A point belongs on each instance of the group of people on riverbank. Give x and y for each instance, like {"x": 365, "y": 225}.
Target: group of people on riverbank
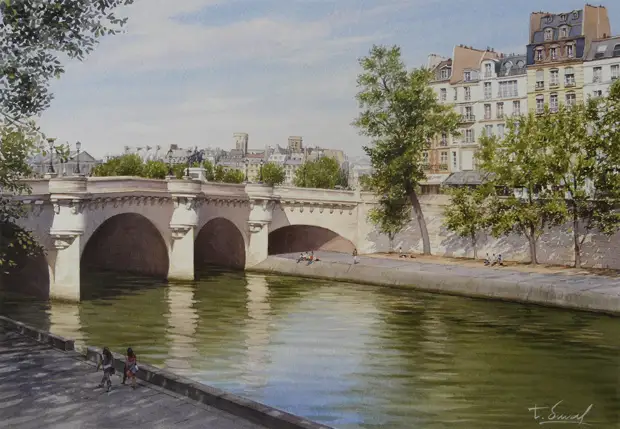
{"x": 307, "y": 256}
{"x": 107, "y": 362}
{"x": 496, "y": 260}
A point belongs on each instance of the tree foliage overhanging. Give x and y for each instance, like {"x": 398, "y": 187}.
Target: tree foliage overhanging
{"x": 323, "y": 173}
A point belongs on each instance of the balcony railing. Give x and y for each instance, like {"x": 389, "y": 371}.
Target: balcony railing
{"x": 569, "y": 83}
{"x": 435, "y": 168}
{"x": 554, "y": 84}
{"x": 508, "y": 94}
{"x": 468, "y": 118}
{"x": 540, "y": 85}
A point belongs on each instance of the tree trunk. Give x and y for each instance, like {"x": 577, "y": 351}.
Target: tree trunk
{"x": 531, "y": 238}
{"x": 576, "y": 240}
{"x": 417, "y": 210}
{"x": 391, "y": 239}
{"x": 474, "y": 244}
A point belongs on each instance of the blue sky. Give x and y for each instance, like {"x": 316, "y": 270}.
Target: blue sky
{"x": 195, "y": 73}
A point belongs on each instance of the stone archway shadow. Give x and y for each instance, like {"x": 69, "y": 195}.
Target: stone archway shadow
{"x": 304, "y": 238}
{"x": 30, "y": 275}
{"x": 127, "y": 243}
{"x": 219, "y": 243}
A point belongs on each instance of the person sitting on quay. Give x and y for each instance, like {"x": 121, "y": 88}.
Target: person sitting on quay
{"x": 487, "y": 261}
{"x": 498, "y": 260}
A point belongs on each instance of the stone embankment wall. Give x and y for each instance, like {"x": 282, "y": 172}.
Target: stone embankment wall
{"x": 555, "y": 246}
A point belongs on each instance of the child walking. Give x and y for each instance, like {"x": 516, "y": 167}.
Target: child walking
{"x": 107, "y": 361}
{"x": 131, "y": 367}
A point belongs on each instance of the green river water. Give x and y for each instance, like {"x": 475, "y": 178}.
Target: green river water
{"x": 354, "y": 356}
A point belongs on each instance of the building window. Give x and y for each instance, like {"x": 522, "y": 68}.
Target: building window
{"x": 467, "y": 94}
{"x": 564, "y": 32}
{"x": 554, "y": 78}
{"x": 469, "y": 136}
{"x": 488, "y": 130}
{"x": 569, "y": 76}
{"x": 539, "y": 54}
{"x": 615, "y": 71}
{"x": 516, "y": 108}
{"x": 508, "y": 89}
{"x": 467, "y": 76}
{"x": 554, "y": 53}
{"x": 540, "y": 104}
{"x": 445, "y": 73}
{"x": 424, "y": 157}
{"x": 540, "y": 79}
{"x": 487, "y": 91}
{"x": 444, "y": 139}
{"x": 488, "y": 71}
{"x": 443, "y": 94}
{"x": 487, "y": 111}
{"x": 456, "y": 94}
{"x": 444, "y": 157}
{"x": 571, "y": 99}
{"x": 500, "y": 110}
{"x": 553, "y": 102}
{"x": 500, "y": 130}
{"x": 570, "y": 50}
{"x": 597, "y": 93}
{"x": 617, "y": 50}
{"x": 548, "y": 33}
{"x": 468, "y": 113}
{"x": 598, "y": 74}
{"x": 454, "y": 161}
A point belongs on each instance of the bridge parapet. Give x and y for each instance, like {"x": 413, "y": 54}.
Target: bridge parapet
{"x": 102, "y": 185}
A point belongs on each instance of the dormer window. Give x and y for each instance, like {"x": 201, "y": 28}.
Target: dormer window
{"x": 576, "y": 14}
{"x": 539, "y": 54}
{"x": 553, "y": 53}
{"x": 467, "y": 76}
{"x": 487, "y": 70}
{"x": 617, "y": 50}
{"x": 445, "y": 73}
{"x": 563, "y": 17}
{"x": 548, "y": 33}
{"x": 549, "y": 19}
{"x": 564, "y": 32}
{"x": 570, "y": 51}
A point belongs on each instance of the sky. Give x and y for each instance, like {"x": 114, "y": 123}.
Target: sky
{"x": 193, "y": 72}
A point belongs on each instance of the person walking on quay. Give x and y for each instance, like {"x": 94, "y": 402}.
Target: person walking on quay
{"x": 107, "y": 361}
{"x": 355, "y": 260}
{"x": 131, "y": 367}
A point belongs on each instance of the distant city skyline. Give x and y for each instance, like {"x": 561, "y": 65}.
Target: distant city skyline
{"x": 196, "y": 74}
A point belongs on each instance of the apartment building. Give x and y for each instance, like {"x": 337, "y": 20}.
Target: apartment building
{"x": 601, "y": 67}
{"x": 557, "y": 47}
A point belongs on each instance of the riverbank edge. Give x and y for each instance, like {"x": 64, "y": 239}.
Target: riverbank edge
{"x": 247, "y": 409}
{"x": 502, "y": 289}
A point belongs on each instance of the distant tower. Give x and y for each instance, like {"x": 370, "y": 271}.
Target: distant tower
{"x": 241, "y": 142}
{"x": 295, "y": 144}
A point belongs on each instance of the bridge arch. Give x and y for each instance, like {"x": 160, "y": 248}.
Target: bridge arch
{"x": 127, "y": 242}
{"x": 219, "y": 242}
{"x": 303, "y": 238}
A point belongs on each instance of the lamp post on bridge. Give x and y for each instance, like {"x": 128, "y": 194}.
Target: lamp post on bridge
{"x": 169, "y": 155}
{"x": 78, "y": 145}
{"x": 262, "y": 162}
{"x": 50, "y": 169}
{"x": 246, "y": 162}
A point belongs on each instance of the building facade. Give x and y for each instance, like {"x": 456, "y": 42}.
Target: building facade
{"x": 601, "y": 67}
{"x": 556, "y": 51}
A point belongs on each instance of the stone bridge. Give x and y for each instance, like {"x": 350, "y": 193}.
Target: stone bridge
{"x": 168, "y": 229}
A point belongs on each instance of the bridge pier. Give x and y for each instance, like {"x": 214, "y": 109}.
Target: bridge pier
{"x": 183, "y": 227}
{"x": 261, "y": 209}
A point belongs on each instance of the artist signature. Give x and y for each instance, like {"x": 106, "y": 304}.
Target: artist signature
{"x": 554, "y": 416}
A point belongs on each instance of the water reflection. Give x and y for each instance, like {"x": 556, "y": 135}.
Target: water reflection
{"x": 353, "y": 356}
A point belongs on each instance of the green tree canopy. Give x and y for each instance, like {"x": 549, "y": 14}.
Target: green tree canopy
{"x": 323, "y": 173}
{"x": 234, "y": 176}
{"x": 155, "y": 170}
{"x": 209, "y": 170}
{"x": 273, "y": 174}
{"x": 467, "y": 213}
{"x": 390, "y": 218}
{"x": 125, "y": 165}
{"x": 400, "y": 113}
{"x": 518, "y": 163}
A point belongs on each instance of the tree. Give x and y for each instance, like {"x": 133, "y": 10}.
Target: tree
{"x": 125, "y": 165}
{"x": 518, "y": 163}
{"x": 209, "y": 170}
{"x": 323, "y": 173}
{"x": 155, "y": 170}
{"x": 219, "y": 174}
{"x": 35, "y": 35}
{"x": 273, "y": 174}
{"x": 466, "y": 215}
{"x": 343, "y": 178}
{"x": 390, "y": 217}
{"x": 365, "y": 182}
{"x": 401, "y": 114}
{"x": 584, "y": 166}
{"x": 233, "y": 176}
{"x": 15, "y": 150}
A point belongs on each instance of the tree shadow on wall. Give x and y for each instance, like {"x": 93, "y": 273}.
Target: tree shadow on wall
{"x": 31, "y": 274}
{"x": 305, "y": 238}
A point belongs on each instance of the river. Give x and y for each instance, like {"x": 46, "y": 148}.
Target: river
{"x": 354, "y": 356}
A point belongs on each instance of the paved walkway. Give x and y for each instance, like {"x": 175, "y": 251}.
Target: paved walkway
{"x": 41, "y": 387}
{"x": 582, "y": 291}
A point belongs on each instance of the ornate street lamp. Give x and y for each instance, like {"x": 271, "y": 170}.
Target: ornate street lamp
{"x": 262, "y": 162}
{"x": 246, "y": 162}
{"x": 78, "y": 145}
{"x": 189, "y": 160}
{"x": 170, "y": 171}
{"x": 50, "y": 142}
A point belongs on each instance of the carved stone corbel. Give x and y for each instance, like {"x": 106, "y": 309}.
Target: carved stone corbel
{"x": 63, "y": 241}
{"x": 256, "y": 226}
{"x": 179, "y": 231}
{"x": 56, "y": 205}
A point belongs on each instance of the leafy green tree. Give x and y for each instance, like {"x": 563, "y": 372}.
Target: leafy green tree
{"x": 155, "y": 170}
{"x": 219, "y": 173}
{"x": 179, "y": 171}
{"x": 365, "y": 182}
{"x": 15, "y": 150}
{"x": 584, "y": 163}
{"x": 234, "y": 176}
{"x": 209, "y": 170}
{"x": 35, "y": 35}
{"x": 125, "y": 165}
{"x": 343, "y": 178}
{"x": 467, "y": 213}
{"x": 273, "y": 174}
{"x": 322, "y": 173}
{"x": 390, "y": 218}
{"x": 401, "y": 114}
{"x": 518, "y": 163}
